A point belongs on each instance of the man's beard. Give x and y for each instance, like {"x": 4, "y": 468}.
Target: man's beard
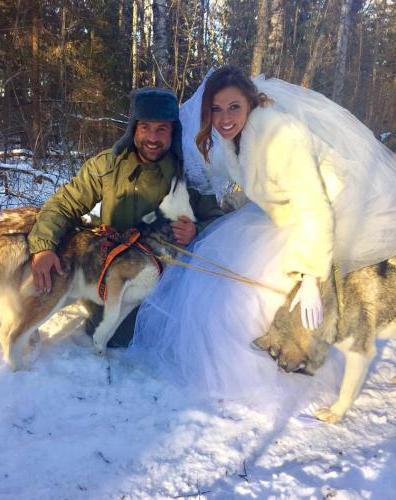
{"x": 157, "y": 154}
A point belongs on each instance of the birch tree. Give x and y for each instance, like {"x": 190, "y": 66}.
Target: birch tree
{"x": 160, "y": 43}
{"x": 133, "y": 58}
{"x": 341, "y": 52}
{"x": 261, "y": 38}
{"x": 276, "y": 37}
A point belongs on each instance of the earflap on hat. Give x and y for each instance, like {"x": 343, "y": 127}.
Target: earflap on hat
{"x": 126, "y": 140}
{"x": 177, "y": 148}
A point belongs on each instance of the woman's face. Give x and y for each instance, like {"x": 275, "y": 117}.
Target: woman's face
{"x": 230, "y": 110}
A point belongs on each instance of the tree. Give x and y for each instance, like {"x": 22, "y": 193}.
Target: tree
{"x": 342, "y": 47}
{"x": 319, "y": 42}
{"x": 261, "y": 38}
{"x": 160, "y": 43}
{"x": 36, "y": 136}
{"x": 276, "y": 37}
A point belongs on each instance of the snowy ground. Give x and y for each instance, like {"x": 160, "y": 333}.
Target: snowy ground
{"x": 23, "y": 185}
{"x": 81, "y": 427}
{"x": 77, "y": 426}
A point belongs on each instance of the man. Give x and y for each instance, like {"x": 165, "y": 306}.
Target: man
{"x": 130, "y": 181}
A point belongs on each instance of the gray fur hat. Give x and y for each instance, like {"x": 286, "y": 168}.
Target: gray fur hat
{"x": 150, "y": 103}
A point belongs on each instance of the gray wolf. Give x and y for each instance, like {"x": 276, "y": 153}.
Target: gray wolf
{"x": 362, "y": 310}
{"x": 129, "y": 278}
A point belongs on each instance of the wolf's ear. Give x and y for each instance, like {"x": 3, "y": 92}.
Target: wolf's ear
{"x": 177, "y": 202}
{"x": 149, "y": 218}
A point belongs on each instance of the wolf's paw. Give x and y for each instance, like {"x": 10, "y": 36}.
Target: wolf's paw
{"x": 328, "y": 415}
{"x": 100, "y": 349}
{"x": 15, "y": 359}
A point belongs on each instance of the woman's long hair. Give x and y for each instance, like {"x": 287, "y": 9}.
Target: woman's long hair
{"x": 226, "y": 76}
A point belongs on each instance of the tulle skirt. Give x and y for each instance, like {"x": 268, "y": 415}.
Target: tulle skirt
{"x": 196, "y": 329}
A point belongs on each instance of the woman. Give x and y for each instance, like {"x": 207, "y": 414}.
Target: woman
{"x": 323, "y": 189}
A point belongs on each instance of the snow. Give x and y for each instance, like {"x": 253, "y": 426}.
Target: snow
{"x": 78, "y": 426}
{"x": 21, "y": 184}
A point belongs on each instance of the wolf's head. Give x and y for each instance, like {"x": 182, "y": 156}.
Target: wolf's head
{"x": 157, "y": 224}
{"x": 174, "y": 204}
{"x": 295, "y": 348}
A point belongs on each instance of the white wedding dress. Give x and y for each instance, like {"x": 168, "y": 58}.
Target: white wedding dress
{"x": 195, "y": 329}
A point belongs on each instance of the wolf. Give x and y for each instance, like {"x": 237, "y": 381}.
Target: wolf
{"x": 128, "y": 280}
{"x": 358, "y": 309}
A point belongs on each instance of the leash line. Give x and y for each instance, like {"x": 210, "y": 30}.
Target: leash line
{"x": 199, "y": 257}
{"x": 224, "y": 271}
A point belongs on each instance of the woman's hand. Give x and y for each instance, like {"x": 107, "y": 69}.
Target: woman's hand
{"x": 308, "y": 296}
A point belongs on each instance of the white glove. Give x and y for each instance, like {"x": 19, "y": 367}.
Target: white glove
{"x": 310, "y": 302}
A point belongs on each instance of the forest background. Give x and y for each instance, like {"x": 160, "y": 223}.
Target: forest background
{"x": 67, "y": 66}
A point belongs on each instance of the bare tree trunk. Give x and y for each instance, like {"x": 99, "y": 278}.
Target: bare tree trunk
{"x": 342, "y": 47}
{"x": 160, "y": 43}
{"x": 261, "y": 38}
{"x": 190, "y": 26}
{"x": 62, "y": 88}
{"x": 133, "y": 58}
{"x": 317, "y": 49}
{"x": 141, "y": 33}
{"x": 146, "y": 70}
{"x": 374, "y": 70}
{"x": 35, "y": 75}
{"x": 176, "y": 38}
{"x": 358, "y": 65}
{"x": 313, "y": 62}
{"x": 202, "y": 34}
{"x": 121, "y": 9}
{"x": 62, "y": 69}
{"x": 295, "y": 23}
{"x": 276, "y": 36}
{"x": 91, "y": 47}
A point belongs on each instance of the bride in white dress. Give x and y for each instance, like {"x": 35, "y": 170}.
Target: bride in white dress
{"x": 322, "y": 190}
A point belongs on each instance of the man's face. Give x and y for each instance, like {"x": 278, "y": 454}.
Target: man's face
{"x": 153, "y": 139}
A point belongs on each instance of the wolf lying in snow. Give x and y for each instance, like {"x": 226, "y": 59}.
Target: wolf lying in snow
{"x": 128, "y": 280}
{"x": 360, "y": 309}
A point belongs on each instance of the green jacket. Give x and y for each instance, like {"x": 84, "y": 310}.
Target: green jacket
{"x": 127, "y": 189}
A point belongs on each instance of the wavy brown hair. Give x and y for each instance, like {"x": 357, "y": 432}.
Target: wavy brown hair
{"x": 226, "y": 76}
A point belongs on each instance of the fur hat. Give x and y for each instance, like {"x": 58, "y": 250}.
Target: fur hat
{"x": 150, "y": 103}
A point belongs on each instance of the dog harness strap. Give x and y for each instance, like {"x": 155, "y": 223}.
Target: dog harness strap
{"x": 148, "y": 251}
{"x": 102, "y": 289}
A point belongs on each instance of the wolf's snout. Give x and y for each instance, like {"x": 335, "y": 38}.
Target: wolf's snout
{"x": 282, "y": 363}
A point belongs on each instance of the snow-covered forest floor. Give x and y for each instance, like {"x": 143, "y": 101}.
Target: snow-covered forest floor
{"x": 77, "y": 426}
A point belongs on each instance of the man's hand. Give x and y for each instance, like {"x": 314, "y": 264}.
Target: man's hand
{"x": 184, "y": 230}
{"x": 308, "y": 296}
{"x": 42, "y": 263}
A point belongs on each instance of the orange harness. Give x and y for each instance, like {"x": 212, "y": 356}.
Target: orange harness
{"x": 111, "y": 248}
